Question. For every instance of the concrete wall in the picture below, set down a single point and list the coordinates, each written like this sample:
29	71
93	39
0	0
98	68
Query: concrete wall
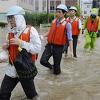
26	4
5	4
86	6
31	5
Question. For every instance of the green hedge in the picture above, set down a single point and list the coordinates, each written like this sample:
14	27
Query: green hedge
36	19
99	12
41	18
2	24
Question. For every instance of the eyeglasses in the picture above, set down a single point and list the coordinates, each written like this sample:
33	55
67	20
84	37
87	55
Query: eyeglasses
10	17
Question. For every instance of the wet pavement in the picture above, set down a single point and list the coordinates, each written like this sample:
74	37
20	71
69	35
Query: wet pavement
79	80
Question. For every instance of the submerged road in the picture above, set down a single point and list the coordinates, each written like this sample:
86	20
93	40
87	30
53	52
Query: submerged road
79	80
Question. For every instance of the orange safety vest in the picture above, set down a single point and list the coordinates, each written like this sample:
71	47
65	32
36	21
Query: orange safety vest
57	34
13	49
92	26
75	30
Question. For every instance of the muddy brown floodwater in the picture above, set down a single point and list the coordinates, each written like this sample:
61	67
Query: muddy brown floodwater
79	80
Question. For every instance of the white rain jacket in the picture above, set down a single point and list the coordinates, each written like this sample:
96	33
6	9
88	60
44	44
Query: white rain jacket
34	46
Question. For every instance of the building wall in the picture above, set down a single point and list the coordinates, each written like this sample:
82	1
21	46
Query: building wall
96	3
35	5
68	3
26	4
86	6
5	4
44	7
71	2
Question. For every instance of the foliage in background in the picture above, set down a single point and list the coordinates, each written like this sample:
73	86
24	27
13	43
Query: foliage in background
78	10
2	24
3	19
99	12
36	19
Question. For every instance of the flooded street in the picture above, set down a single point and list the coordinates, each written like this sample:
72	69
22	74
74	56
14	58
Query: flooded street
79	80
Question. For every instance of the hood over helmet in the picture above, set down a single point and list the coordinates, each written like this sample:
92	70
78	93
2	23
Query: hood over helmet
15	10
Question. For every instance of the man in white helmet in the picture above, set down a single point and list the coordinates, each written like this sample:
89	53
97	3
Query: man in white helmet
76	27
17	26
58	35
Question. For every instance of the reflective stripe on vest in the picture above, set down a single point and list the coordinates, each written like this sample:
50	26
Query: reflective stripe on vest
57	34
92	26
13	49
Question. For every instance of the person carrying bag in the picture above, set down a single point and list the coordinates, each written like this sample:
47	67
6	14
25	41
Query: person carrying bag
23	45
24	65
23	61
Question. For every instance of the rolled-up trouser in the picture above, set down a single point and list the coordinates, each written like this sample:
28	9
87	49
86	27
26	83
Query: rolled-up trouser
8	84
90	40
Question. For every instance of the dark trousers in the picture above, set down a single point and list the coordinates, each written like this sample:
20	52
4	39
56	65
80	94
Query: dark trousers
65	49
8	84
75	39
56	52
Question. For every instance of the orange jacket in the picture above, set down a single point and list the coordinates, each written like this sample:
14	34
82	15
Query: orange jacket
75	30
92	26
13	49
57	34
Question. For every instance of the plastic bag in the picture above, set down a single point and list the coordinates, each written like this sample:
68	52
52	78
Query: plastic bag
3	56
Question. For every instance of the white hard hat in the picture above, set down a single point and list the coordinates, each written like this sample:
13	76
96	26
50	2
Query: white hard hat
62	7
15	10
73	8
